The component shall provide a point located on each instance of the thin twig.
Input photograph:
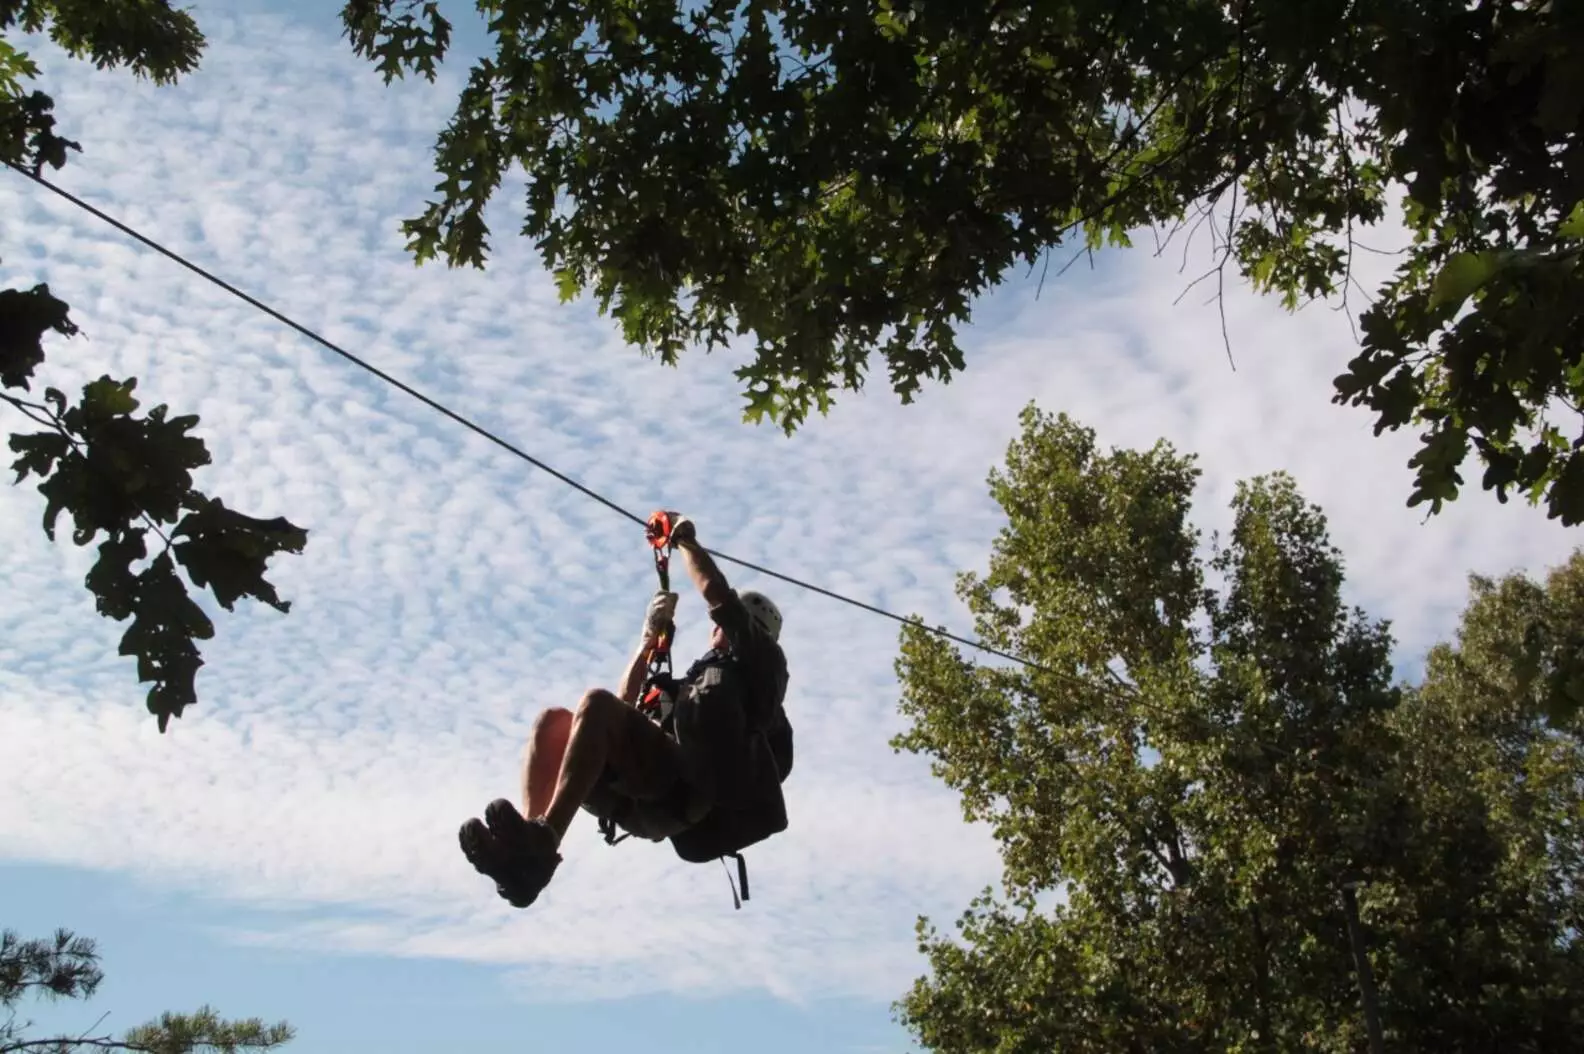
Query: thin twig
(28, 410)
(1381, 252)
(1226, 338)
(1191, 285)
(1080, 254)
(1239, 164)
(1364, 292)
(1348, 189)
(1204, 215)
(1155, 232)
(93, 1026)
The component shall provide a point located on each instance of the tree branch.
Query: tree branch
(54, 422)
(32, 410)
(66, 1043)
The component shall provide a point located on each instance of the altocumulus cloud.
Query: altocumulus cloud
(450, 592)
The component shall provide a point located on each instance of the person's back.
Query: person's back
(734, 694)
(731, 709)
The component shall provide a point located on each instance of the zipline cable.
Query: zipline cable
(1120, 687)
(311, 335)
(286, 320)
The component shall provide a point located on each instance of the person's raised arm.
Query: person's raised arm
(725, 606)
(661, 613)
(701, 567)
(632, 681)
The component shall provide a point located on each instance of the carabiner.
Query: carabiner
(658, 530)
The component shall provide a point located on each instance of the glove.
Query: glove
(662, 612)
(682, 530)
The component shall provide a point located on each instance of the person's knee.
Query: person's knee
(552, 730)
(599, 707)
(553, 723)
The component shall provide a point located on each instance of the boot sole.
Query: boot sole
(475, 839)
(514, 836)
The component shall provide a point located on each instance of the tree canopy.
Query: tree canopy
(123, 477)
(1209, 750)
(837, 180)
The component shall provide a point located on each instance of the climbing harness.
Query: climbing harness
(657, 698)
(659, 689)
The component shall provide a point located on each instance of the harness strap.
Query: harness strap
(607, 828)
(742, 879)
(659, 684)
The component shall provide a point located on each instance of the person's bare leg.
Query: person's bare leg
(542, 758)
(594, 737)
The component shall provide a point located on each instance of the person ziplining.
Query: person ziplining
(698, 760)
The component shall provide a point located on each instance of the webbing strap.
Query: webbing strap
(651, 697)
(658, 531)
(742, 879)
(607, 828)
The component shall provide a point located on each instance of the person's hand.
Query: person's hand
(682, 530)
(661, 613)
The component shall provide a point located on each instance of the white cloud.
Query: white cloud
(449, 591)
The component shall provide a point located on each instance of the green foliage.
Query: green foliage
(844, 179)
(63, 967)
(398, 41)
(117, 474)
(149, 37)
(68, 967)
(1520, 650)
(1208, 749)
(206, 1031)
(25, 316)
(121, 475)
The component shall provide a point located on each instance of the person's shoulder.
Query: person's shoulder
(730, 605)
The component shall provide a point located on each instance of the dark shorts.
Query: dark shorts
(645, 787)
(649, 763)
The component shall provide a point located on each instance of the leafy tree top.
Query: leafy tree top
(839, 181)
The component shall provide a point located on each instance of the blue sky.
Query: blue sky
(288, 850)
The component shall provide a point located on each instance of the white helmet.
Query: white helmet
(764, 612)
